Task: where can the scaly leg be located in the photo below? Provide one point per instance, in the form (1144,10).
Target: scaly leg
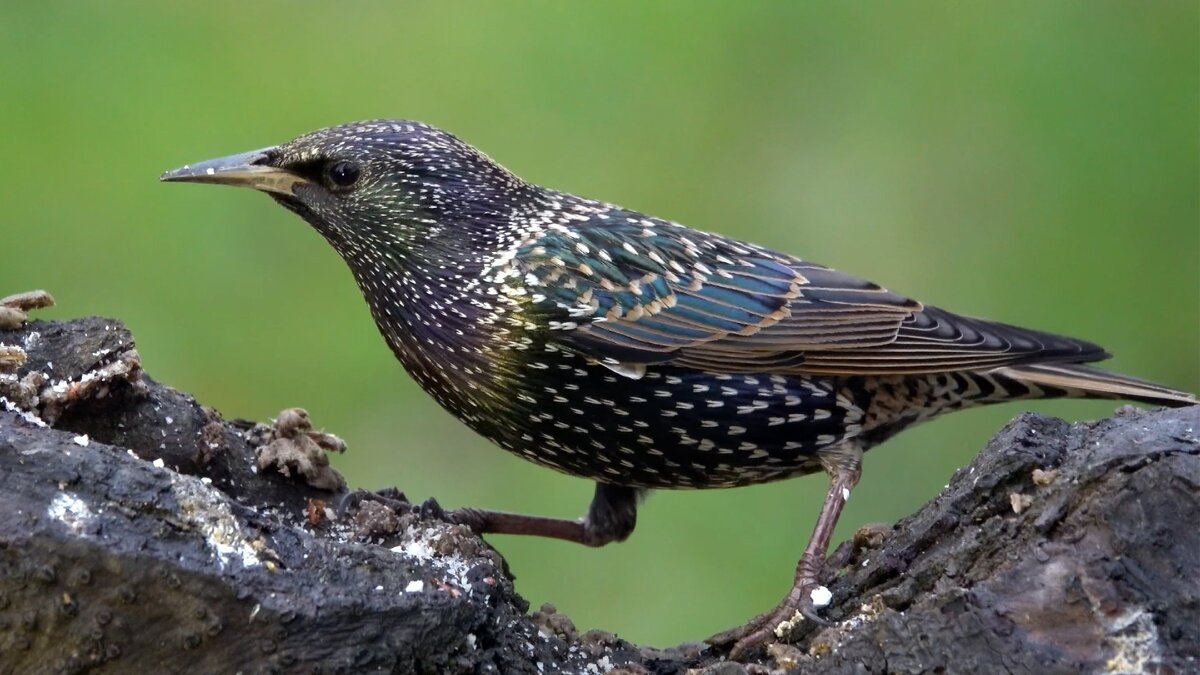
(611,517)
(844,468)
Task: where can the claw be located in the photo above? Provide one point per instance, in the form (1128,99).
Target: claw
(809,612)
(776,624)
(432,510)
(743,646)
(389,497)
(767,627)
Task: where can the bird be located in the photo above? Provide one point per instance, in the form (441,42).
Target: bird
(634,351)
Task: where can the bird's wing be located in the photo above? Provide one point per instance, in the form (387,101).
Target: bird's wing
(630,290)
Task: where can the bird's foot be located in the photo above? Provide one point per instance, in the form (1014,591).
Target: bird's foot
(475,519)
(774,625)
(390,497)
(800,604)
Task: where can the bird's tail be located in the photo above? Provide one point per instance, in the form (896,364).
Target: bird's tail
(1079,381)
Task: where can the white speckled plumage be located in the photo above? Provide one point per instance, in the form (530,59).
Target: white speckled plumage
(495,294)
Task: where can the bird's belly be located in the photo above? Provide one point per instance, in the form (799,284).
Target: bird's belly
(676,429)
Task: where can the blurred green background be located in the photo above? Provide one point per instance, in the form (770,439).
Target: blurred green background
(1031,162)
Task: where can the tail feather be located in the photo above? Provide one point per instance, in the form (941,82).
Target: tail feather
(1085,381)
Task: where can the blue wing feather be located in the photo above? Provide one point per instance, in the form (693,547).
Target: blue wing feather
(635,289)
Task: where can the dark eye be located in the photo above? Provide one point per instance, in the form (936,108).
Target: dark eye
(343,173)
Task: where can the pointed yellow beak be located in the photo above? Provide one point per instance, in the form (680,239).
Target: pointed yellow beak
(244,170)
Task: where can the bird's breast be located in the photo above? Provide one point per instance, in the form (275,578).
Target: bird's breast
(670,429)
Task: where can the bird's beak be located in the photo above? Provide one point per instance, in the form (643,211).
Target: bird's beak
(245,170)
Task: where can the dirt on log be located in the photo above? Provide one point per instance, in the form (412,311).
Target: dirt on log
(142,533)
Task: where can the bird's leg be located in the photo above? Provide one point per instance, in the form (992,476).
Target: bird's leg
(844,468)
(611,517)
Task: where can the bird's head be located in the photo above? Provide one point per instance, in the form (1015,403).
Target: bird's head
(366,186)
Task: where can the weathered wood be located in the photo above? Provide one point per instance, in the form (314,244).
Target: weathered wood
(1061,548)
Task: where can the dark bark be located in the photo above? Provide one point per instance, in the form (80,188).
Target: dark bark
(1061,548)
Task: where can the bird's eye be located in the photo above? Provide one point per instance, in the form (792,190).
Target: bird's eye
(343,173)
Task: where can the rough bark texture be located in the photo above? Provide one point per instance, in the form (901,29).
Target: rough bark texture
(1061,548)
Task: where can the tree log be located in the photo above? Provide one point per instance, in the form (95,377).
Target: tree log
(142,533)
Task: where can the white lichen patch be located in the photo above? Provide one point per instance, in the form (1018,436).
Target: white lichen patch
(27,416)
(1134,643)
(867,612)
(602,665)
(70,511)
(784,628)
(56,396)
(211,516)
(417,548)
(417,543)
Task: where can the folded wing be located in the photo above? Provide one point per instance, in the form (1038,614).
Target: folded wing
(629,291)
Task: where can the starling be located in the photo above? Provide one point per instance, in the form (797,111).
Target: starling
(634,351)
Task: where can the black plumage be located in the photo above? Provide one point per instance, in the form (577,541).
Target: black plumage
(631,350)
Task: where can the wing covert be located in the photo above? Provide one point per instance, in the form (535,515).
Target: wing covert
(633,289)
(629,290)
